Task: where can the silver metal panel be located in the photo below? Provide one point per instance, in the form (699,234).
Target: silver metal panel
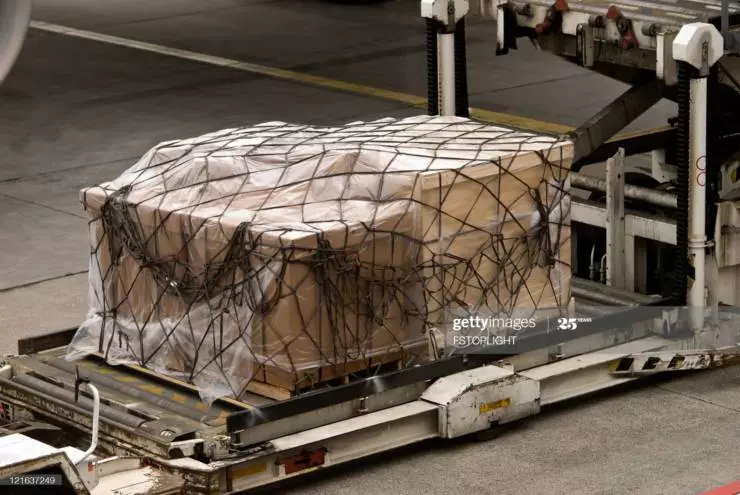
(587,373)
(20,448)
(337,412)
(446,389)
(473,401)
(656,229)
(384,417)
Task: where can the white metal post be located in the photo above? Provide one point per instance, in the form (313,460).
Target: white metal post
(447,13)
(615,227)
(697,199)
(701,46)
(446,44)
(500,27)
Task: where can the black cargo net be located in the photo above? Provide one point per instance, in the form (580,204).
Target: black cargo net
(277,258)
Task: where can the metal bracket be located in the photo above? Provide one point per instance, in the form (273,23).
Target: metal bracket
(700,45)
(665,65)
(446,12)
(554,17)
(615,117)
(79,380)
(624,26)
(585,45)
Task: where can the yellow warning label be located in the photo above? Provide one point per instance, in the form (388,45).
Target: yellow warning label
(492,406)
(733,174)
(676,363)
(251,470)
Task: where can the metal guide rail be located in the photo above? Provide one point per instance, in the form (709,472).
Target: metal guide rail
(235,446)
(608,37)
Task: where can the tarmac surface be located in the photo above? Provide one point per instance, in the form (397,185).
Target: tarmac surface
(80,107)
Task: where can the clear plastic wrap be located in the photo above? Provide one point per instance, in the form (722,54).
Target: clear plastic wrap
(291,255)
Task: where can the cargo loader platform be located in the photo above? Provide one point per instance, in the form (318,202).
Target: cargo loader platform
(234,446)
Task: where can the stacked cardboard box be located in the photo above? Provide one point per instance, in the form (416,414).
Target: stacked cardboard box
(289,255)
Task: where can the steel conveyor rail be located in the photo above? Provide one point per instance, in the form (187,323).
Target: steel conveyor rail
(643,309)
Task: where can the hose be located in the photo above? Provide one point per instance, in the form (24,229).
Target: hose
(462,106)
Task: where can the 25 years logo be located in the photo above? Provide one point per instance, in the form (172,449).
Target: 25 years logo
(567,323)
(570,323)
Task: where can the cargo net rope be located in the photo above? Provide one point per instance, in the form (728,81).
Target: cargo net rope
(288,256)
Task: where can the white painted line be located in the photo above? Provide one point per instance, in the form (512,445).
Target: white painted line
(139,45)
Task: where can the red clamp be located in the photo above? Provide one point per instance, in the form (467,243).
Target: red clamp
(554,15)
(624,26)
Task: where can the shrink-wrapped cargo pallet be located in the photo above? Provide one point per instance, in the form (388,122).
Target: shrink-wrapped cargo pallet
(279,256)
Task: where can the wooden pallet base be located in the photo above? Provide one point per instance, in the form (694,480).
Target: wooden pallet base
(310,381)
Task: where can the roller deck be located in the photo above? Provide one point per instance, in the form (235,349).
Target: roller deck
(151,414)
(629,41)
(153,427)
(660,13)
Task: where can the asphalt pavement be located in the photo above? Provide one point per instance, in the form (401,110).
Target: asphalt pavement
(82,106)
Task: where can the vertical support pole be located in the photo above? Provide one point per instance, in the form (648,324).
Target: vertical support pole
(432,67)
(697,199)
(500,28)
(641,269)
(615,229)
(462,105)
(630,261)
(446,38)
(446,44)
(574,249)
(712,272)
(487,9)
(697,47)
(665,66)
(585,45)
(683,164)
(725,25)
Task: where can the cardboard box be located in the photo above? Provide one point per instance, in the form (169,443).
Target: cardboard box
(483,250)
(319,312)
(292,255)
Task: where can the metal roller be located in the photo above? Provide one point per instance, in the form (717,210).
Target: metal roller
(589,291)
(50,391)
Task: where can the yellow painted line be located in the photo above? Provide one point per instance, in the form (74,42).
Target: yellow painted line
(488,116)
(480,114)
(177,383)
